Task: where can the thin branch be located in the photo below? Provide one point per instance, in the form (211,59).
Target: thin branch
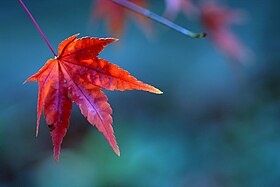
(37,26)
(157,18)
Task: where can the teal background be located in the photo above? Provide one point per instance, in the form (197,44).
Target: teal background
(216,125)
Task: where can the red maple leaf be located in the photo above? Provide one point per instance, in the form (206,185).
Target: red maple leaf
(217,20)
(78,75)
(173,7)
(116,15)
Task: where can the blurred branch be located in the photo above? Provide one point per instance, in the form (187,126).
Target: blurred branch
(157,18)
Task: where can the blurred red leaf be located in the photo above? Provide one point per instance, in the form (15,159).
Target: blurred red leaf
(173,7)
(78,75)
(217,20)
(116,15)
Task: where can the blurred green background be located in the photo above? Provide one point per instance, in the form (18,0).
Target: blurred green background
(216,125)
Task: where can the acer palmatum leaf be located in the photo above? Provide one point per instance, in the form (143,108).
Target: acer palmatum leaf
(78,75)
(217,20)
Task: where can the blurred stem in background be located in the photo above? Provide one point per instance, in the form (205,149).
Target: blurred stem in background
(157,18)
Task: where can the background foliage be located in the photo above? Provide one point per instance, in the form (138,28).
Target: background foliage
(217,123)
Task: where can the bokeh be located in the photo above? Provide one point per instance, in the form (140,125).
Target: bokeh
(216,125)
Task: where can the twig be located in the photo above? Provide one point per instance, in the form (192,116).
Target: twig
(158,18)
(37,26)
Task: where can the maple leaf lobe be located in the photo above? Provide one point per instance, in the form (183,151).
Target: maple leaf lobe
(217,19)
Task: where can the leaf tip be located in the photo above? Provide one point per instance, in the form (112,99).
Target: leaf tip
(74,36)
(31,79)
(115,39)
(56,149)
(116,149)
(156,91)
(37,132)
(27,80)
(56,153)
(111,40)
(56,159)
(159,92)
(118,152)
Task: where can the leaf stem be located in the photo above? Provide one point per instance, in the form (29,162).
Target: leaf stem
(37,26)
(159,19)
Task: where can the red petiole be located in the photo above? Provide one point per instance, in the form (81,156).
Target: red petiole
(37,26)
